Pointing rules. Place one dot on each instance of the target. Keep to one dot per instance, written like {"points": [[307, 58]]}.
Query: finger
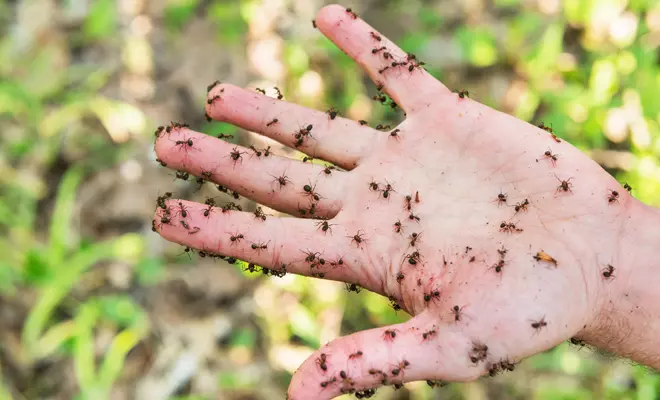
{"points": [[412, 351], [409, 85], [293, 245], [338, 140], [275, 181]]}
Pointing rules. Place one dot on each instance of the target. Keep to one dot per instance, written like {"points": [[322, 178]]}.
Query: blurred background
{"points": [[94, 305]]}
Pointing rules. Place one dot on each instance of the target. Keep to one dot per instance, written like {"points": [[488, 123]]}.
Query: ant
{"points": [[399, 277], [402, 365], [429, 334], [158, 131], [413, 258], [184, 224], [231, 206], [358, 238], [260, 91], [311, 255], [462, 93], [550, 131], [608, 272], [509, 227], [408, 199], [498, 266], [321, 361], [389, 335], [194, 230], [161, 200], [501, 198], [479, 352], [254, 149], [314, 23], [332, 113], [502, 251], [543, 256], [414, 237], [225, 136], [352, 287], [251, 268], [207, 117], [362, 122], [385, 68], [352, 13], [612, 196], [161, 162], [627, 187], [377, 50], [310, 190], [259, 213], [182, 175], [236, 155], [522, 206], [413, 217], [260, 246], [433, 295], [338, 261], [267, 151], [412, 66], [381, 127], [552, 157], [183, 208], [395, 133], [212, 85], [236, 237], [325, 226], [457, 311], [328, 169], [280, 96], [273, 121], [373, 186], [375, 36], [355, 355], [212, 99], [281, 180], [325, 384], [398, 227], [540, 324]]}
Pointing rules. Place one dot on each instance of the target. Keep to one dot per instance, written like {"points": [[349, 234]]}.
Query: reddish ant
{"points": [[358, 238], [498, 266], [414, 237], [540, 324], [273, 121], [236, 237], [281, 180], [458, 312], [373, 186], [324, 226], [552, 157], [338, 261], [355, 355], [310, 190], [375, 36], [389, 335], [432, 295], [413, 65], [509, 227], [522, 206], [413, 258], [321, 361], [260, 246], [608, 272], [352, 13], [225, 136], [183, 210], [417, 196], [543, 256], [408, 200], [413, 217], [256, 152], [310, 256], [402, 365], [612, 196], [398, 226], [385, 68], [332, 113], [236, 155]]}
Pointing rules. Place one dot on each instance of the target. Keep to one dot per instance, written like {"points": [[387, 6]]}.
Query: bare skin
{"points": [[499, 252]]}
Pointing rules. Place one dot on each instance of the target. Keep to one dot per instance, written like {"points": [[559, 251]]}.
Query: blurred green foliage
{"points": [[567, 67]]}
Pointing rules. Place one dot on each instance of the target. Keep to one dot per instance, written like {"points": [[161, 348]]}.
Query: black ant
{"points": [[236, 155], [353, 287], [212, 99], [399, 277], [433, 295], [236, 237], [552, 157], [375, 36], [408, 200], [385, 68], [321, 361], [259, 213], [413, 258], [398, 227], [325, 384], [225, 136], [310, 256], [608, 272], [501, 198], [413, 217], [310, 159], [182, 175], [502, 251], [183, 210], [355, 355], [328, 169], [627, 187], [260, 90], [358, 238], [280, 96], [540, 324], [509, 227], [310, 190], [332, 113], [458, 312], [498, 266], [324, 226], [267, 151], [479, 352], [251, 268], [314, 23], [565, 185], [161, 200], [231, 206], [161, 162], [337, 262], [376, 50], [414, 237], [429, 334], [207, 117], [373, 186], [381, 127], [402, 365], [259, 246], [362, 122], [184, 224], [158, 131], [212, 85], [522, 206], [389, 334], [273, 121], [462, 93], [256, 152], [612, 196], [352, 13], [395, 133], [388, 189]]}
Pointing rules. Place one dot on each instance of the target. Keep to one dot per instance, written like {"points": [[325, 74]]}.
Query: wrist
{"points": [[628, 320]]}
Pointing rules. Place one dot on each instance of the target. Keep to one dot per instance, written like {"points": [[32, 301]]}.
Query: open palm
{"points": [[472, 221]]}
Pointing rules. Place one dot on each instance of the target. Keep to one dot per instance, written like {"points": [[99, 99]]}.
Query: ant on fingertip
{"points": [[613, 196]]}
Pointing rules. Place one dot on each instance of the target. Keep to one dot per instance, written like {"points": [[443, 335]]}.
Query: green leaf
{"points": [[179, 12], [102, 20], [478, 45], [60, 229]]}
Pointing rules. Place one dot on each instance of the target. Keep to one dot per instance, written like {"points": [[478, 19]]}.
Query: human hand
{"points": [[494, 234]]}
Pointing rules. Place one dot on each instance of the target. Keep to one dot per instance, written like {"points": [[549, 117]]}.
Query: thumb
{"points": [[419, 349]]}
